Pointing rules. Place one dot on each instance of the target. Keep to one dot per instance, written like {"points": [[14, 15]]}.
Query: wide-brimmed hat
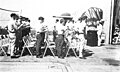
{"points": [[64, 15]]}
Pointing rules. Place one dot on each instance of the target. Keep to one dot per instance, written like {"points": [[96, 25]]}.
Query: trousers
{"points": [[39, 43], [59, 45], [12, 43]]}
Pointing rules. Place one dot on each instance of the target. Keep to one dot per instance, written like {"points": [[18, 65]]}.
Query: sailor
{"points": [[41, 30], [12, 27], [80, 28], [99, 32], [60, 39]]}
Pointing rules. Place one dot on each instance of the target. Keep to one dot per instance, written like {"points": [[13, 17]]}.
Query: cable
{"points": [[8, 10]]}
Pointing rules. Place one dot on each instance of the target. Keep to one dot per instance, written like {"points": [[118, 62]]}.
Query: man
{"points": [[12, 27], [60, 39], [41, 29], [23, 29], [55, 33], [99, 32], [80, 27]]}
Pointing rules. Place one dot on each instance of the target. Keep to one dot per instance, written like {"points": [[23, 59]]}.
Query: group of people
{"points": [[64, 32], [18, 27]]}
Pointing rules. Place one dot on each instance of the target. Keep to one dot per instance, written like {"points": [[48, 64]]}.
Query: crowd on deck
{"points": [[64, 32]]}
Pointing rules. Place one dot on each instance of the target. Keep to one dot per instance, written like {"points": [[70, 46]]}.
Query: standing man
{"points": [[60, 39], [12, 27], [55, 32], [41, 30], [99, 32], [80, 27]]}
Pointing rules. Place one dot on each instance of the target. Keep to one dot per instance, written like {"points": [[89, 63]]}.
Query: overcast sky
{"points": [[48, 8]]}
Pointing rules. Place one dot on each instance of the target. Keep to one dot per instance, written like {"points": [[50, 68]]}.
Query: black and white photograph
{"points": [[59, 35]]}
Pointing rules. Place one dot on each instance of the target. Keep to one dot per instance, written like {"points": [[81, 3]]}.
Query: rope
{"points": [[8, 10]]}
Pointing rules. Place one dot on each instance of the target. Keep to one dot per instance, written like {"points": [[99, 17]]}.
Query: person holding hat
{"points": [[23, 29]]}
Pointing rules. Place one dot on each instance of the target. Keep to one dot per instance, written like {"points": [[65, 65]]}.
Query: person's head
{"points": [[18, 22], [14, 16], [23, 20], [41, 19], [68, 27], [29, 20], [57, 20], [102, 22], [84, 18], [63, 22]]}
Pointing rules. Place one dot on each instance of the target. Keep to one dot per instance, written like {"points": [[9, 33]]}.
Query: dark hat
{"points": [[41, 18], [64, 15], [14, 16], [27, 19], [57, 20], [22, 18]]}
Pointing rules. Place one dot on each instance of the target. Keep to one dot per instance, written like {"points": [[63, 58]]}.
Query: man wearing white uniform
{"points": [[99, 32], [80, 27], [41, 31], [12, 27], [60, 40], [55, 32]]}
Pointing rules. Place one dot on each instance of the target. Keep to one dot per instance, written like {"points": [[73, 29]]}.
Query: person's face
{"points": [[54, 27], [41, 21], [67, 27], [12, 19], [18, 22], [23, 22]]}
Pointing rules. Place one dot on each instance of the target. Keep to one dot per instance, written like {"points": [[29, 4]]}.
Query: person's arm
{"points": [[46, 34], [10, 28]]}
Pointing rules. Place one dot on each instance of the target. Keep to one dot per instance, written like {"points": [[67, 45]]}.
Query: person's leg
{"points": [[60, 47], [38, 45], [81, 50], [59, 52], [12, 46], [99, 40], [82, 45], [63, 49], [42, 43], [57, 41]]}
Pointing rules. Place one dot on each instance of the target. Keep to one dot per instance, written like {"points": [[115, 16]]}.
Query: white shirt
{"points": [[11, 27], [51, 26], [99, 28], [70, 24], [60, 28], [80, 26], [39, 27]]}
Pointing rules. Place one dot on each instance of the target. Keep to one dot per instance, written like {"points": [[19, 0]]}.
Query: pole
{"points": [[111, 21]]}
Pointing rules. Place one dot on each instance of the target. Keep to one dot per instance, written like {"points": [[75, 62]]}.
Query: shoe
{"points": [[15, 56], [8, 54], [82, 57], [39, 56], [61, 57]]}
